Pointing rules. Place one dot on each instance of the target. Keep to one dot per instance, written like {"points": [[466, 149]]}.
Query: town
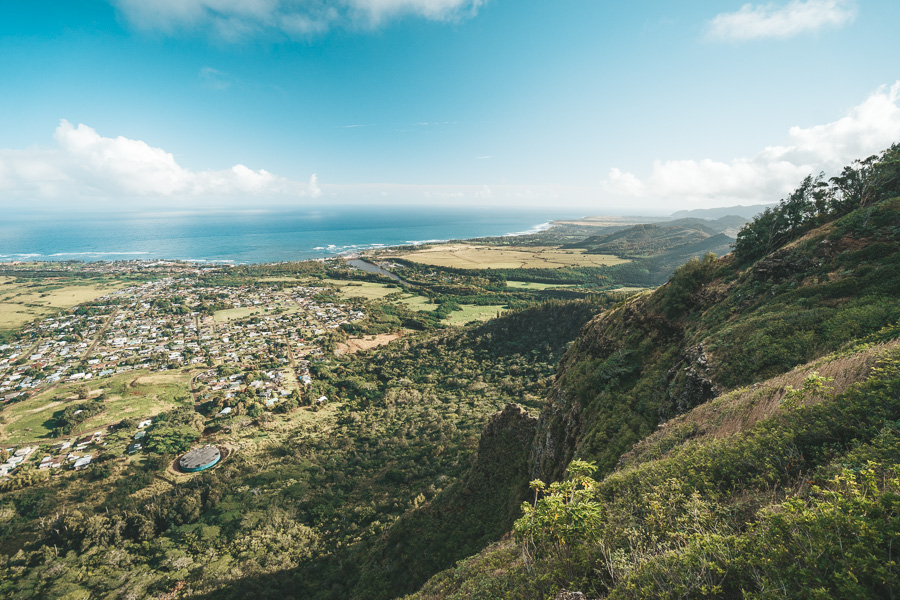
{"points": [[246, 349]]}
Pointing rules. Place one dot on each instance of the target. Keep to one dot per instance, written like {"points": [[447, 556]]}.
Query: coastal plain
{"points": [[480, 256]]}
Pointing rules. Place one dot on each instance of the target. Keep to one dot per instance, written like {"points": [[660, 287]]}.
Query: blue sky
{"points": [[616, 107]]}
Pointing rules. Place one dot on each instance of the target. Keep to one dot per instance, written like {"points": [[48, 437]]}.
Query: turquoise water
{"points": [[251, 236]]}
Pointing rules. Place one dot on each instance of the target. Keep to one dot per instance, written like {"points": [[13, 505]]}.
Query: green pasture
{"points": [[472, 312], [378, 291], [136, 394], [24, 301]]}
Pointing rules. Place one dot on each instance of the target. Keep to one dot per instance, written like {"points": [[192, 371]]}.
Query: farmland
{"points": [[471, 312], [476, 256]]}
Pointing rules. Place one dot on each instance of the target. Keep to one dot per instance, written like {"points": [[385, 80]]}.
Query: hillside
{"points": [[739, 423], [732, 433], [656, 250], [745, 212], [717, 326]]}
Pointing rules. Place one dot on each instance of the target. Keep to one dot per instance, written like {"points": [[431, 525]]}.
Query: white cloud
{"points": [[775, 21], [485, 193], [867, 129], [314, 190], [85, 165], [214, 79], [237, 19]]}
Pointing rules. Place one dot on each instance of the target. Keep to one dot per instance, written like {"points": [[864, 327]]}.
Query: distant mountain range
{"points": [[658, 248], [714, 213]]}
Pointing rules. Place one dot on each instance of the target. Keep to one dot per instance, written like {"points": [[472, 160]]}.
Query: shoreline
{"points": [[352, 253]]}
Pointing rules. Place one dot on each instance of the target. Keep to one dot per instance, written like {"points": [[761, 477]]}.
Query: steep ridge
{"points": [[472, 513], [783, 364], [716, 326], [656, 250], [642, 241], [802, 503]]}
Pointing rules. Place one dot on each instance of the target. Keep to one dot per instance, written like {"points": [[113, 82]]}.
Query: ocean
{"points": [[252, 236]]}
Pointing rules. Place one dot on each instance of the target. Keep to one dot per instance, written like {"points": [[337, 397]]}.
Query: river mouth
{"points": [[368, 267]]}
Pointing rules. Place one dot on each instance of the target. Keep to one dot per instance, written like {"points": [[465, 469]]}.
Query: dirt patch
{"points": [[45, 407], [355, 345]]}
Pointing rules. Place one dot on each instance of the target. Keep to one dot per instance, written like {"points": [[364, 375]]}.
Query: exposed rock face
{"points": [[783, 265], [602, 360], [690, 381], [567, 595], [504, 447], [512, 424], [558, 431]]}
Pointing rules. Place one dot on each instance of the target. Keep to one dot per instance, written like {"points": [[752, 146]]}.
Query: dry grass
{"points": [[476, 256], [475, 312], [740, 409], [23, 302], [354, 345]]}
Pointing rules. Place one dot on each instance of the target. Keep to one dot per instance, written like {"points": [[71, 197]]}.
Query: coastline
{"points": [[286, 252]]}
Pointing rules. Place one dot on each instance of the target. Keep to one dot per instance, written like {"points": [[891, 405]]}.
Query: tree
{"points": [[166, 439]]}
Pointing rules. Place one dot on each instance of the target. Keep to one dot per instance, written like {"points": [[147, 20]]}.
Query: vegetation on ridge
{"points": [[718, 325], [776, 490]]}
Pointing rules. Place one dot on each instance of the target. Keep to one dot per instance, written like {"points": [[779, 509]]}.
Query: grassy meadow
{"points": [[378, 291], [24, 301], [472, 312], [474, 256], [135, 394]]}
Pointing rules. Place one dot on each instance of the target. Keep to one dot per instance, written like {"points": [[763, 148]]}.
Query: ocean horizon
{"points": [[254, 236]]}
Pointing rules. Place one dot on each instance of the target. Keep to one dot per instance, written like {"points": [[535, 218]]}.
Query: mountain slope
{"points": [[716, 326], [803, 503], [787, 482]]}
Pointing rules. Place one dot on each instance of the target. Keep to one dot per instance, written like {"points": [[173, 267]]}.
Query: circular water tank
{"points": [[199, 459]]}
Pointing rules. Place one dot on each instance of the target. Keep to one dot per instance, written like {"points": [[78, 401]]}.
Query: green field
{"points": [[363, 289], [419, 303], [136, 394], [24, 301], [377, 291], [236, 314], [472, 312]]}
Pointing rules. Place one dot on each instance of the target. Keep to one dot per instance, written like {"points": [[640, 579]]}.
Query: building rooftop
{"points": [[200, 458]]}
